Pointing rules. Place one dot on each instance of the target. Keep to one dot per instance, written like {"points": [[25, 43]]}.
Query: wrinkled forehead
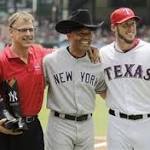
{"points": [[20, 18]]}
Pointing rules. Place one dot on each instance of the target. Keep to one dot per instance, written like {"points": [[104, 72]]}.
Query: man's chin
{"points": [[27, 45], [86, 47], [129, 41]]}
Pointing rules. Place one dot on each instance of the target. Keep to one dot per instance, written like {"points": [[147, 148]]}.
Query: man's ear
{"points": [[113, 27], [68, 35], [10, 29]]}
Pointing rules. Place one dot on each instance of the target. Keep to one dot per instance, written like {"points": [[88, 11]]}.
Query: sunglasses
{"points": [[23, 30]]}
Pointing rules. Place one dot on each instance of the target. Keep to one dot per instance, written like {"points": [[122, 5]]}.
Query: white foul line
{"points": [[100, 145]]}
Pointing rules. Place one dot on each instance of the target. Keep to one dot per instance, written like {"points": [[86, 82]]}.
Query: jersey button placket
{"points": [[76, 81]]}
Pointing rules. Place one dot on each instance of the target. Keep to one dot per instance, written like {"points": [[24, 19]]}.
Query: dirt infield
{"points": [[100, 143]]}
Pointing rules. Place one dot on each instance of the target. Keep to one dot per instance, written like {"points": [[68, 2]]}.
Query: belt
{"points": [[130, 117], [29, 119], [71, 117]]}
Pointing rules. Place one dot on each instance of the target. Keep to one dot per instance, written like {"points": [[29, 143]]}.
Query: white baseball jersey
{"points": [[73, 83], [128, 78]]}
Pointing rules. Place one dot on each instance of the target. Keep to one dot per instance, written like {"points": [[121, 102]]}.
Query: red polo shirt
{"points": [[29, 77]]}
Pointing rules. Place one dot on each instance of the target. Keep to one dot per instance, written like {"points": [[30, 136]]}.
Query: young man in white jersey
{"points": [[126, 64], [73, 82]]}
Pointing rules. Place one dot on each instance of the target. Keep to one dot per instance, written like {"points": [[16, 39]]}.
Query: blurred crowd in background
{"points": [[48, 12], [47, 36]]}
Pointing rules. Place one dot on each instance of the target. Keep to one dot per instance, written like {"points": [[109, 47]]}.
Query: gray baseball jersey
{"points": [[127, 76], [72, 82]]}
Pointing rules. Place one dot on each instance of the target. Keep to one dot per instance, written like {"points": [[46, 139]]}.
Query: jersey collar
{"points": [[10, 54]]}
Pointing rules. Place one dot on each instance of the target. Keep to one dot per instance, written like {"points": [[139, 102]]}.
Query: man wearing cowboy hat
{"points": [[73, 82]]}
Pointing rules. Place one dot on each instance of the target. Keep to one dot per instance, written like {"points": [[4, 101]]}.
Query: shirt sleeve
{"points": [[101, 85], [1, 76], [43, 50], [45, 71]]}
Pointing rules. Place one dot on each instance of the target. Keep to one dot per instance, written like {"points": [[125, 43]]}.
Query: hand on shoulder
{"points": [[93, 54]]}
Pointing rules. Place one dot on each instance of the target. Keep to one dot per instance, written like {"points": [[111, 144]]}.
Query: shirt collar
{"points": [[10, 54]]}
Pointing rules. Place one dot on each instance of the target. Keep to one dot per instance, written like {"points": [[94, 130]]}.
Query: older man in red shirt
{"points": [[22, 61]]}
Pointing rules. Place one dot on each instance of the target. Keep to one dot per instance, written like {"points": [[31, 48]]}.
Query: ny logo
{"points": [[13, 96]]}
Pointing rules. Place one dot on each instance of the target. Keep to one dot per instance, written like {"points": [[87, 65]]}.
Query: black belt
{"points": [[29, 119], [130, 117], [71, 117]]}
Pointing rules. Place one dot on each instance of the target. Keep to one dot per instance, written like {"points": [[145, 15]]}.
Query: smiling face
{"points": [[126, 31], [81, 39], [21, 30]]}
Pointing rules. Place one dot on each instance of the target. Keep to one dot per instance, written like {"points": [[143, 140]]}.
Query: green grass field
{"points": [[100, 117]]}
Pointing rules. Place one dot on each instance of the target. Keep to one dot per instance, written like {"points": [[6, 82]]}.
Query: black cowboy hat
{"points": [[79, 19]]}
